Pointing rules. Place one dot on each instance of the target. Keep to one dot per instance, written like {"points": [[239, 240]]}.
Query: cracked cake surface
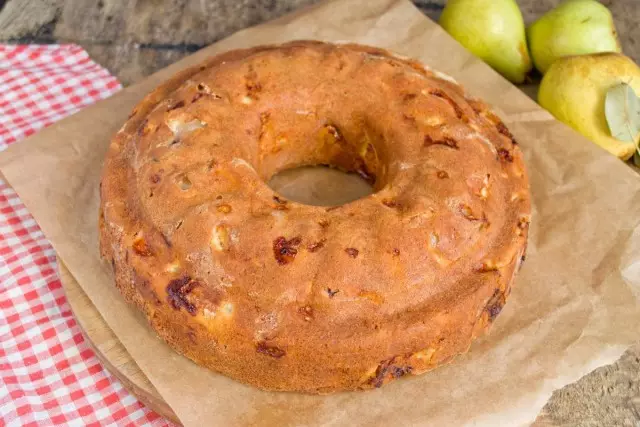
{"points": [[287, 296]]}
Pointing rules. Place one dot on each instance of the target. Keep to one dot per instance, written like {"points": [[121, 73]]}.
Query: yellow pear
{"points": [[493, 30], [574, 91], [575, 27]]}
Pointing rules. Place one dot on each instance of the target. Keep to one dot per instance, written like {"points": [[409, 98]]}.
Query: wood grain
{"points": [[109, 349], [134, 38]]}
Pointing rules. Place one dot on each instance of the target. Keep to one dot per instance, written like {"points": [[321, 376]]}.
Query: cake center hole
{"points": [[320, 186]]}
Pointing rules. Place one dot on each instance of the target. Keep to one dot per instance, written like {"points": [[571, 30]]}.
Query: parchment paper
{"points": [[574, 306], [319, 186]]}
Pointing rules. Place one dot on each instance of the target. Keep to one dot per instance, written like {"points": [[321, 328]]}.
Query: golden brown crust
{"points": [[287, 296]]}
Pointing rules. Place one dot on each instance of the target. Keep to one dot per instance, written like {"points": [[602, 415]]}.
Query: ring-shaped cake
{"points": [[287, 296]]}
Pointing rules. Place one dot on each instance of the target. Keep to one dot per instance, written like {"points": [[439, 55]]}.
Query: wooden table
{"points": [[133, 38]]}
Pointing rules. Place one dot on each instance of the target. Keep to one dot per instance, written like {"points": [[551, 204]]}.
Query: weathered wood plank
{"points": [[133, 38]]}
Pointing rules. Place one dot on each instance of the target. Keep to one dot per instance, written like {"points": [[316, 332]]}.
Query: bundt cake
{"points": [[288, 296]]}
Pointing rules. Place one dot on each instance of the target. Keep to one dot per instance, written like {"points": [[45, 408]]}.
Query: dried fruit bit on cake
{"points": [[144, 128], [178, 104], [140, 246], [352, 252], [445, 140], [252, 84], [391, 203], [387, 370], [523, 224], [334, 132], [504, 131], [329, 134], [484, 222], [177, 291], [365, 174], [281, 204], [456, 108], [505, 155], [332, 292], [314, 247], [465, 211], [285, 250], [271, 351], [495, 304], [487, 266]]}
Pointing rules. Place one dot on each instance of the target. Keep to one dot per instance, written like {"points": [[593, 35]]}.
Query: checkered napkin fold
{"points": [[48, 373]]}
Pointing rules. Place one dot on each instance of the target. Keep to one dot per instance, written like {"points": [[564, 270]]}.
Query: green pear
{"points": [[493, 30], [575, 27], [575, 88]]}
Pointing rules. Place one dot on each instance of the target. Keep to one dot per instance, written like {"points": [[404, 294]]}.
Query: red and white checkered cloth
{"points": [[48, 373]]}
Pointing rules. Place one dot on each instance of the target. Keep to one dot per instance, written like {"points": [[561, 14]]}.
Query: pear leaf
{"points": [[636, 158], [622, 110]]}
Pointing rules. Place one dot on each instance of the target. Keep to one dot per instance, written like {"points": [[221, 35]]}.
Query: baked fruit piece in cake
{"points": [[286, 296]]}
